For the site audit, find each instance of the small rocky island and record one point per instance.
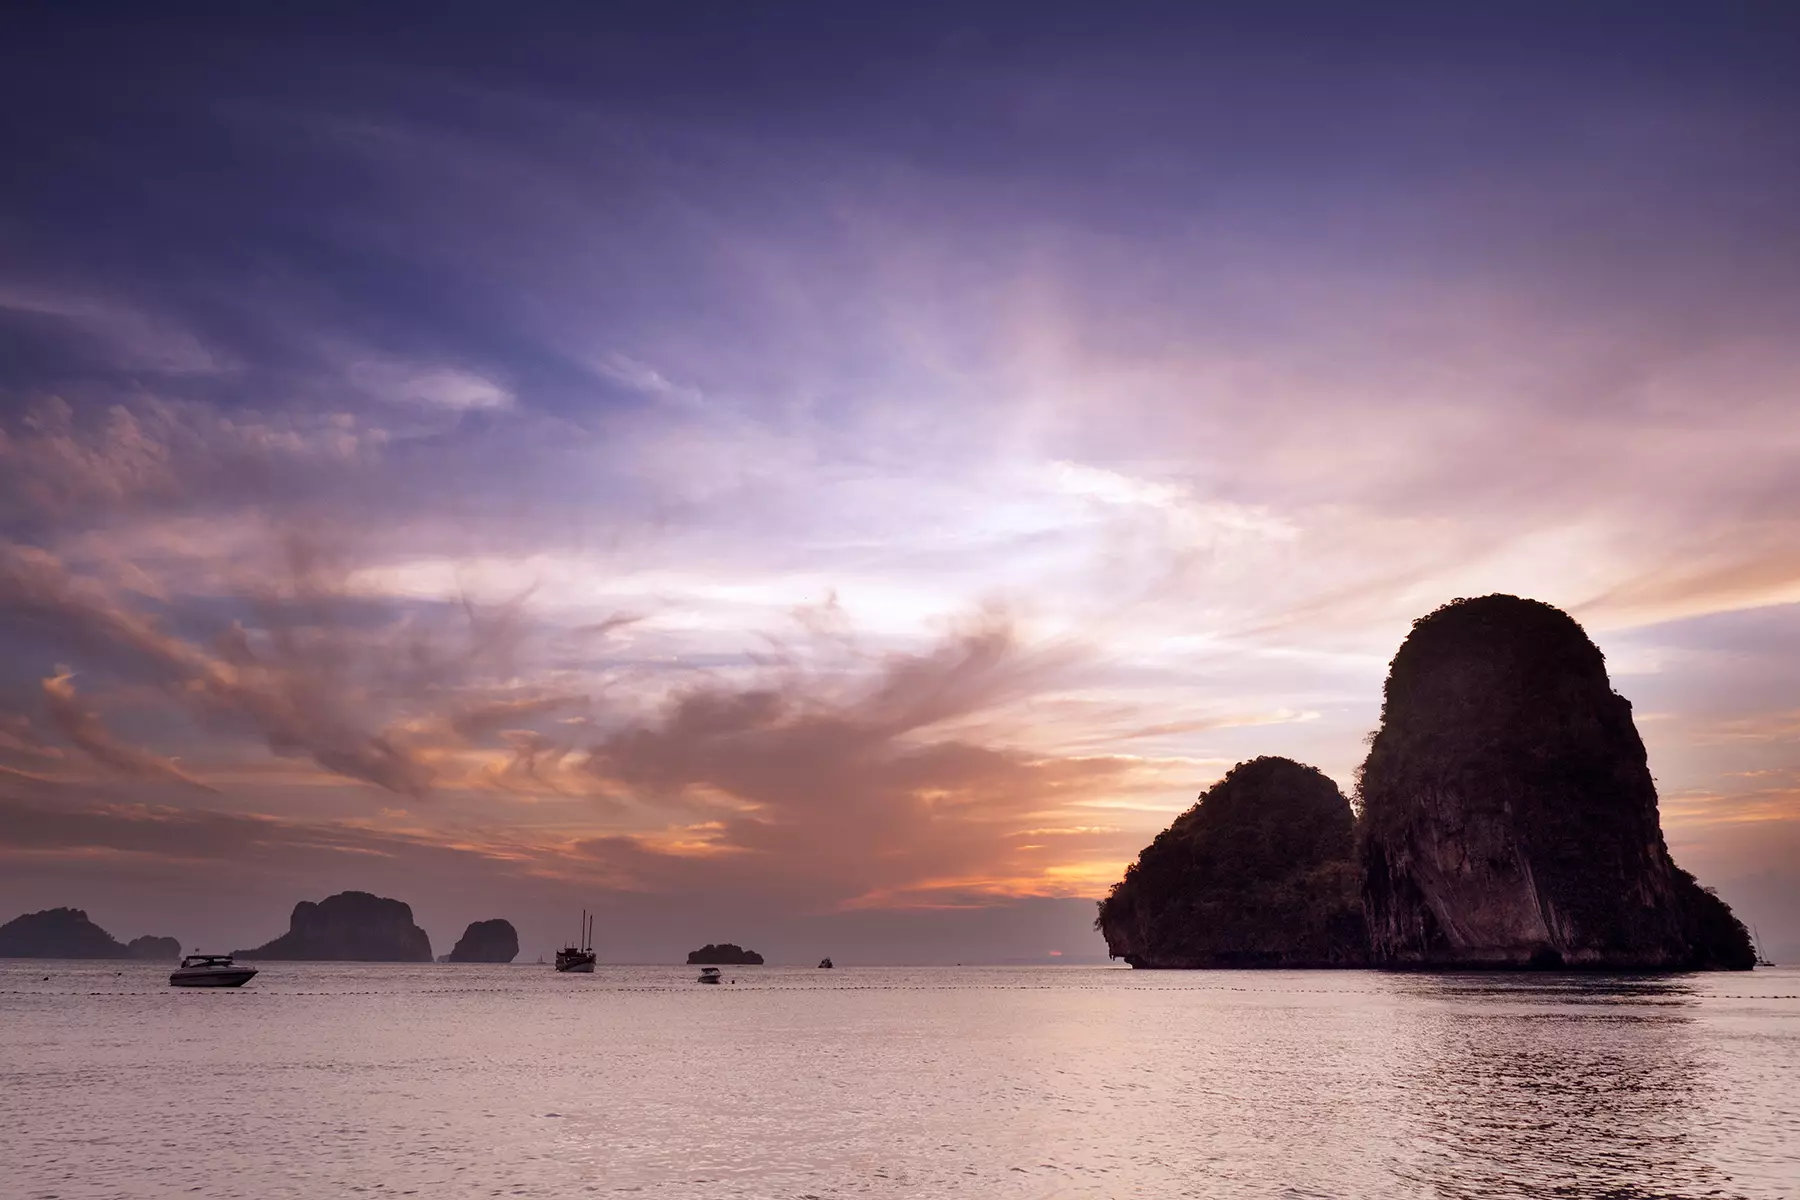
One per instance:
(725, 954)
(494, 941)
(1260, 873)
(67, 933)
(1508, 821)
(348, 927)
(155, 949)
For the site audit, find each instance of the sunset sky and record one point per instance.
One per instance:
(839, 478)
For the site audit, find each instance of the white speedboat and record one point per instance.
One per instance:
(579, 959)
(709, 974)
(210, 970)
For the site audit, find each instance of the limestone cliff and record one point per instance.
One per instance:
(348, 927)
(494, 941)
(1509, 815)
(1260, 873)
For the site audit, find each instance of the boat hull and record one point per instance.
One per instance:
(231, 977)
(579, 968)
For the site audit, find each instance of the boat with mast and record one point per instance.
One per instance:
(579, 957)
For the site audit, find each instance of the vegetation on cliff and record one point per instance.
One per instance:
(1509, 814)
(725, 954)
(1260, 873)
(348, 927)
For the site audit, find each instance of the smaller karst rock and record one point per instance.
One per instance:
(57, 933)
(348, 927)
(1260, 873)
(157, 949)
(494, 941)
(723, 955)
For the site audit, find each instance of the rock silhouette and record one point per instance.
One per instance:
(1510, 817)
(348, 927)
(494, 941)
(1261, 872)
(155, 948)
(57, 933)
(722, 955)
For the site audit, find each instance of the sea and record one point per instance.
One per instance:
(329, 1080)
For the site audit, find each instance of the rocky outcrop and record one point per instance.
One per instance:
(348, 927)
(157, 949)
(1260, 873)
(725, 954)
(1510, 818)
(494, 941)
(57, 933)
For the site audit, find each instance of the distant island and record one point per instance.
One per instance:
(348, 927)
(156, 949)
(724, 954)
(494, 941)
(1508, 821)
(67, 933)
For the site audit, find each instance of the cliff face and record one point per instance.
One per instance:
(156, 948)
(1509, 815)
(57, 933)
(494, 941)
(724, 954)
(1260, 873)
(348, 927)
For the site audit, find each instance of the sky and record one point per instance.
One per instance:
(840, 478)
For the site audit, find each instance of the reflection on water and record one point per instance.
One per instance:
(1568, 1085)
(1012, 1083)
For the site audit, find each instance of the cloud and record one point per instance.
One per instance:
(298, 685)
(434, 387)
(84, 727)
(63, 468)
(844, 793)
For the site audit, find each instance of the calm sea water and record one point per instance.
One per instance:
(331, 1080)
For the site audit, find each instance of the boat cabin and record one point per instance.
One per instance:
(207, 960)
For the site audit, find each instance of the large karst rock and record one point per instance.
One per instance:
(57, 933)
(494, 941)
(1260, 873)
(1510, 818)
(349, 927)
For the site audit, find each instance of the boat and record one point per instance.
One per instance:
(1756, 950)
(709, 975)
(210, 970)
(825, 963)
(579, 958)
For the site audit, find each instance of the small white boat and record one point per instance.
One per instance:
(210, 970)
(709, 975)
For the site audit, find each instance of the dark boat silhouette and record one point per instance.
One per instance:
(579, 958)
(210, 970)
